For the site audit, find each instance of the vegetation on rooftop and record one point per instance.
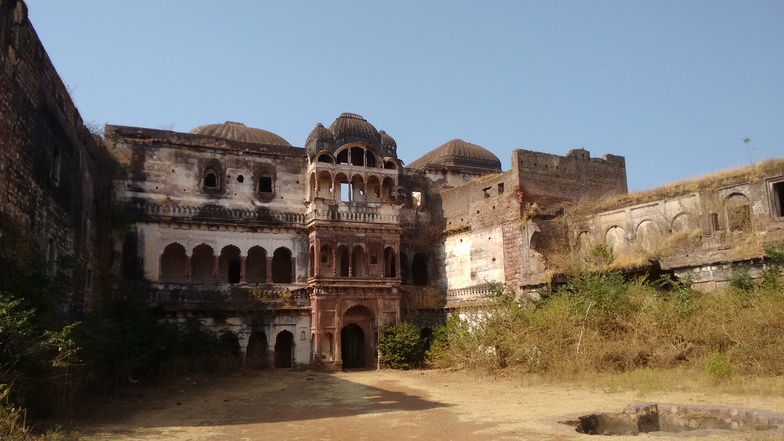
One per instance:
(724, 178)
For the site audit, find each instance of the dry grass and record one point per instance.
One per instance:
(756, 172)
(604, 325)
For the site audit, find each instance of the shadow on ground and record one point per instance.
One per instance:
(255, 397)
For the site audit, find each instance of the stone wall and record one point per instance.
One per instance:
(55, 175)
(547, 178)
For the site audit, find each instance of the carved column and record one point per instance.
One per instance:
(215, 269)
(269, 271)
(334, 261)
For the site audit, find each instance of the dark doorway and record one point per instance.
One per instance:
(419, 270)
(352, 346)
(234, 271)
(257, 350)
(427, 337)
(284, 349)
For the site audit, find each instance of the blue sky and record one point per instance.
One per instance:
(674, 86)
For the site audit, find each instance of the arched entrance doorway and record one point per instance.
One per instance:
(352, 346)
(284, 349)
(357, 349)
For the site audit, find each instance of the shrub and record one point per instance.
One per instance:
(402, 346)
(717, 366)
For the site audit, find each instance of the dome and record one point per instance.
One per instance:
(350, 127)
(461, 155)
(319, 139)
(240, 132)
(388, 145)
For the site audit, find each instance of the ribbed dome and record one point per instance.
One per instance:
(460, 155)
(350, 127)
(319, 139)
(388, 145)
(240, 132)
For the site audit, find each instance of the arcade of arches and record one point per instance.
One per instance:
(203, 266)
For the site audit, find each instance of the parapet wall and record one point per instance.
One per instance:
(573, 177)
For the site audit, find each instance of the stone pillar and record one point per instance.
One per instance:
(350, 261)
(316, 257)
(269, 270)
(398, 269)
(293, 270)
(188, 270)
(243, 270)
(334, 262)
(215, 269)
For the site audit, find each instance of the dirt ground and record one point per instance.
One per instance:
(379, 405)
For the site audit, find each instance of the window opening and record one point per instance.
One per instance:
(325, 158)
(357, 156)
(345, 190)
(240, 179)
(211, 180)
(56, 160)
(416, 198)
(778, 199)
(500, 188)
(265, 184)
(343, 157)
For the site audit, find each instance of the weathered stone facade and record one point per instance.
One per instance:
(55, 180)
(303, 254)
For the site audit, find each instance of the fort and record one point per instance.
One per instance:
(303, 255)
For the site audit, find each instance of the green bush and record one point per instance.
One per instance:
(402, 346)
(717, 366)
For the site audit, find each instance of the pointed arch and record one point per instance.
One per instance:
(202, 264)
(174, 263)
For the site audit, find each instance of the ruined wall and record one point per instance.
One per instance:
(53, 188)
(697, 232)
(483, 233)
(547, 178)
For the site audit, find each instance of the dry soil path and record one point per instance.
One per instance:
(376, 405)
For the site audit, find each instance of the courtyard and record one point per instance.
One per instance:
(389, 405)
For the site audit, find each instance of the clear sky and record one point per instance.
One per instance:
(674, 86)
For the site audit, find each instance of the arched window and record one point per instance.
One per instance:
(325, 158)
(173, 264)
(211, 179)
(256, 265)
(343, 261)
(370, 159)
(738, 212)
(390, 264)
(325, 261)
(358, 188)
(202, 264)
(281, 266)
(229, 265)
